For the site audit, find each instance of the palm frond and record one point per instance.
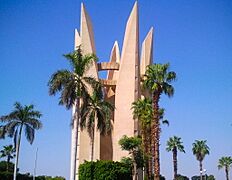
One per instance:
(18, 106)
(175, 143)
(11, 127)
(101, 122)
(21, 116)
(58, 80)
(35, 123)
(2, 132)
(29, 133)
(34, 114)
(68, 95)
(12, 116)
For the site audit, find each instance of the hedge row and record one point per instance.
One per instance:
(9, 176)
(104, 170)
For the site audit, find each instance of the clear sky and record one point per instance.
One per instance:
(195, 36)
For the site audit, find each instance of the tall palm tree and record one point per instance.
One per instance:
(73, 85)
(142, 110)
(158, 80)
(9, 153)
(174, 144)
(225, 162)
(200, 149)
(96, 109)
(22, 117)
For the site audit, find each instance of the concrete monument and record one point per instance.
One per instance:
(122, 86)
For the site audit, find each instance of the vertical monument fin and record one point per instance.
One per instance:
(87, 37)
(88, 47)
(127, 89)
(114, 58)
(147, 52)
(77, 39)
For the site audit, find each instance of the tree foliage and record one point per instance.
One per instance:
(200, 149)
(73, 86)
(208, 177)
(21, 118)
(157, 80)
(181, 177)
(225, 162)
(104, 170)
(174, 144)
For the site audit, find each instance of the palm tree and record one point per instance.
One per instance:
(9, 153)
(157, 79)
(200, 149)
(21, 117)
(96, 109)
(227, 163)
(73, 86)
(174, 144)
(142, 109)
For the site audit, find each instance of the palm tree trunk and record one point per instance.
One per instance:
(144, 148)
(17, 152)
(149, 154)
(155, 135)
(201, 170)
(7, 163)
(147, 151)
(92, 142)
(135, 173)
(227, 173)
(75, 129)
(175, 162)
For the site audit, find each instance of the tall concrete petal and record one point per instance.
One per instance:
(77, 42)
(87, 40)
(87, 37)
(147, 52)
(146, 58)
(114, 58)
(88, 47)
(77, 39)
(127, 90)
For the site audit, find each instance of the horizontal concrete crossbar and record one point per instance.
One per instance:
(108, 66)
(106, 82)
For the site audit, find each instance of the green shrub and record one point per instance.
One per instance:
(9, 176)
(162, 177)
(6, 175)
(104, 170)
(182, 177)
(3, 165)
(49, 178)
(210, 177)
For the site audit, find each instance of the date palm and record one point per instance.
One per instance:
(225, 162)
(9, 153)
(158, 80)
(21, 118)
(73, 85)
(142, 110)
(174, 144)
(200, 149)
(96, 111)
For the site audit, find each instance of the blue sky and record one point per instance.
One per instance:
(195, 36)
